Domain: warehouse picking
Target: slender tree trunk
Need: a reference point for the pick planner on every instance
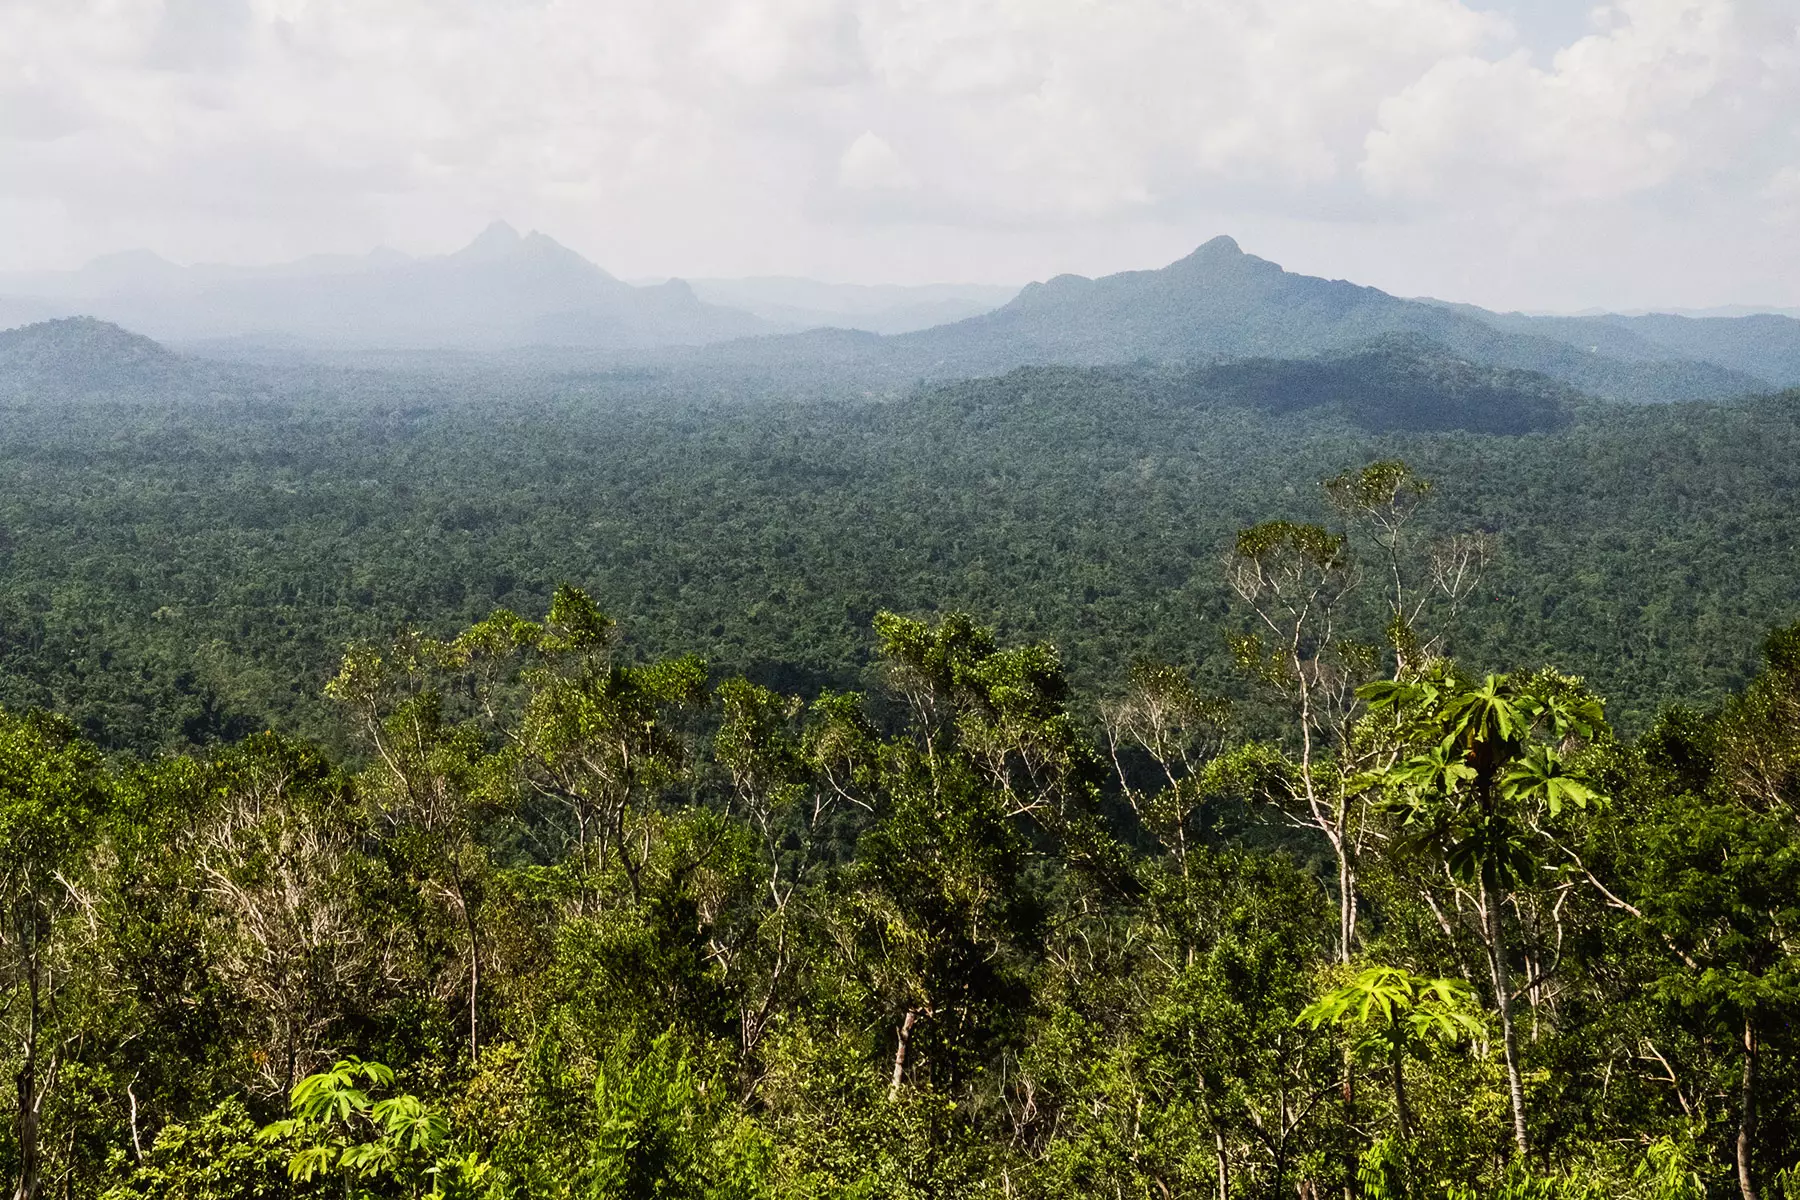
(1349, 1122)
(26, 1083)
(906, 1027)
(1496, 940)
(28, 1132)
(1346, 896)
(1218, 1140)
(1401, 1112)
(474, 998)
(137, 1143)
(462, 902)
(1747, 1113)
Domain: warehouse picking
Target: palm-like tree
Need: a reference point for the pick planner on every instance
(1398, 1013)
(1490, 765)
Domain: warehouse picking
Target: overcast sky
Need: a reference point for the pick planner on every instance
(1517, 153)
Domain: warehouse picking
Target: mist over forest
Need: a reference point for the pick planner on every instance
(473, 726)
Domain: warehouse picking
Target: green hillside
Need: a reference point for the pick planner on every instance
(1033, 786)
(192, 572)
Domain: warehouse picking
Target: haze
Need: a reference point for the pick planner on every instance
(1538, 156)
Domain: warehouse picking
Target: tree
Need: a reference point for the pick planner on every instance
(52, 795)
(279, 844)
(338, 1128)
(1718, 877)
(989, 777)
(1398, 1013)
(430, 783)
(793, 768)
(1295, 579)
(1300, 582)
(1182, 733)
(601, 739)
(1381, 501)
(1490, 764)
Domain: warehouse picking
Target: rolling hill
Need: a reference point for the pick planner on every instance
(501, 291)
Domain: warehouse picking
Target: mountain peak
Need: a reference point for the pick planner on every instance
(498, 240)
(1220, 258)
(132, 270)
(77, 354)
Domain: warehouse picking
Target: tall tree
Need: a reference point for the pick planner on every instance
(430, 785)
(1718, 879)
(1295, 578)
(52, 796)
(1489, 765)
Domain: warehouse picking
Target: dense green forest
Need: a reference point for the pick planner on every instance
(586, 922)
(186, 571)
(1368, 775)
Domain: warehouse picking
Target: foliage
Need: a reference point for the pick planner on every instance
(185, 569)
(337, 1128)
(629, 925)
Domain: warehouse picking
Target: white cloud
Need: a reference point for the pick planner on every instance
(987, 137)
(1674, 90)
(870, 164)
(1783, 194)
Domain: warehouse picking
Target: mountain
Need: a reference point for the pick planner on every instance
(535, 299)
(1766, 345)
(886, 308)
(1397, 384)
(1221, 303)
(502, 290)
(79, 355)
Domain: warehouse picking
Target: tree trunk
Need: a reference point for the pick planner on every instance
(474, 999)
(1496, 940)
(1747, 1113)
(906, 1026)
(28, 1133)
(26, 1083)
(1349, 1121)
(462, 902)
(1400, 1110)
(1346, 896)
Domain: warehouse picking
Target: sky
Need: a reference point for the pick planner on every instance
(1533, 154)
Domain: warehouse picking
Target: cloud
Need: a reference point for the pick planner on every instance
(1783, 194)
(1673, 91)
(982, 137)
(870, 164)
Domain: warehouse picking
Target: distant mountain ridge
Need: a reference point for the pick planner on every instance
(878, 308)
(82, 355)
(1399, 385)
(1221, 303)
(502, 290)
(527, 295)
(1766, 345)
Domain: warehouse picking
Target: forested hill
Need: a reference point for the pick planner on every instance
(1397, 384)
(186, 572)
(1765, 345)
(54, 361)
(502, 290)
(1366, 773)
(1220, 302)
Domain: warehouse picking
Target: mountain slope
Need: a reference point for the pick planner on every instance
(79, 355)
(502, 290)
(1764, 345)
(1395, 385)
(889, 309)
(1219, 302)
